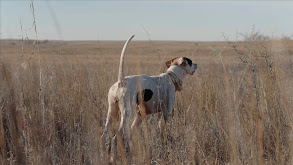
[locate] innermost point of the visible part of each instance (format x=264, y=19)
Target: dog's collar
x=176, y=81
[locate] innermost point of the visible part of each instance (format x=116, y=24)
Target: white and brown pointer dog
x=139, y=95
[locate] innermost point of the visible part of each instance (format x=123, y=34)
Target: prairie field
x=236, y=109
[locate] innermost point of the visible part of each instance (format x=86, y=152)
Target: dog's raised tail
x=121, y=65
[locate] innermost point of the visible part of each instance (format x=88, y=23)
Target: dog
x=139, y=95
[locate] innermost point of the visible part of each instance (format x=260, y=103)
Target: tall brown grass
x=236, y=109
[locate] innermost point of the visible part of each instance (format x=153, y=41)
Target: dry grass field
x=236, y=108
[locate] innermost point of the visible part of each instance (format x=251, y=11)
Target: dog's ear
x=179, y=61
x=175, y=61
x=168, y=63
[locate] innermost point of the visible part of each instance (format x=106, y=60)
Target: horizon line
x=10, y=39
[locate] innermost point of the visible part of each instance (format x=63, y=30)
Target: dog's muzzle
x=195, y=67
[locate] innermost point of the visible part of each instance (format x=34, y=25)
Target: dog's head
x=183, y=62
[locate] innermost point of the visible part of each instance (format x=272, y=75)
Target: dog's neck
x=177, y=74
x=178, y=71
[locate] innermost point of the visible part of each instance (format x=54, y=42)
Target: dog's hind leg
x=113, y=110
x=114, y=149
x=123, y=135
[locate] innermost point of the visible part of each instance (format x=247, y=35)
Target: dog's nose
x=195, y=66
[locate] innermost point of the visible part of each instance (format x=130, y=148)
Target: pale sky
x=163, y=20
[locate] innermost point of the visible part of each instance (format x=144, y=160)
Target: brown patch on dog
x=175, y=61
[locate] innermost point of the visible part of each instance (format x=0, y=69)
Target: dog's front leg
x=169, y=105
x=137, y=121
x=136, y=139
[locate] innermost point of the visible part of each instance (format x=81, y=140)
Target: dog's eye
x=188, y=61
